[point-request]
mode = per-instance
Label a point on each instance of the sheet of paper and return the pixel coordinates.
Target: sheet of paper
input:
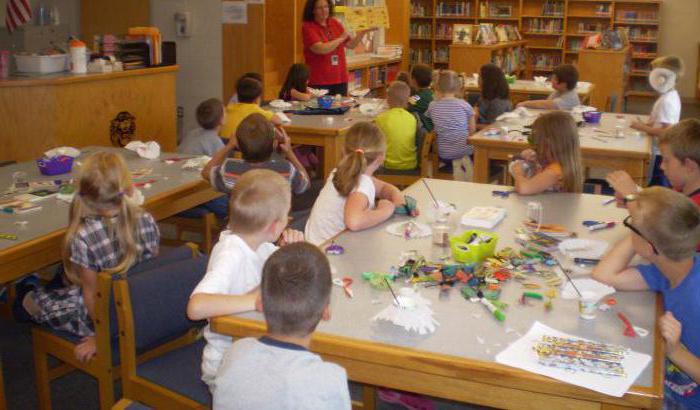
(234, 12)
(521, 355)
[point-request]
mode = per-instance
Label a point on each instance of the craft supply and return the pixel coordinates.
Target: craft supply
(581, 356)
(392, 292)
(409, 230)
(430, 191)
(408, 208)
(441, 233)
(502, 194)
(8, 236)
(602, 225)
(564, 271)
(411, 311)
(535, 214)
(586, 261)
(629, 329)
(497, 313)
(334, 249)
(19, 181)
(609, 201)
(587, 305)
(484, 217)
(344, 283)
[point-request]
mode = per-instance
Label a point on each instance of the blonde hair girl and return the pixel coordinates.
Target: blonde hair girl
(107, 232)
(347, 200)
(555, 160)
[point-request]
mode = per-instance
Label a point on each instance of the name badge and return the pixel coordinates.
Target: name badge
(335, 60)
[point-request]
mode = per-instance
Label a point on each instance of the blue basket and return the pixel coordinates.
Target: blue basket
(592, 117)
(325, 102)
(60, 164)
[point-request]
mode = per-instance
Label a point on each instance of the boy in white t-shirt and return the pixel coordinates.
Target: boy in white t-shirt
(667, 108)
(260, 203)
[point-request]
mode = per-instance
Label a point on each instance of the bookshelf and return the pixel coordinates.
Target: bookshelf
(510, 56)
(607, 69)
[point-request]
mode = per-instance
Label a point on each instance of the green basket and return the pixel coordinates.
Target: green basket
(463, 252)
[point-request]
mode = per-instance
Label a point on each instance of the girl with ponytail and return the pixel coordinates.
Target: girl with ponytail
(107, 232)
(348, 198)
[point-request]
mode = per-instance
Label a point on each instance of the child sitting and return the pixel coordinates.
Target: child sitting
(254, 76)
(278, 370)
(421, 78)
(667, 108)
(205, 140)
(260, 202)
(494, 99)
(555, 163)
(296, 85)
(347, 200)
(665, 230)
(454, 121)
(401, 128)
(256, 139)
(107, 232)
(249, 96)
(564, 97)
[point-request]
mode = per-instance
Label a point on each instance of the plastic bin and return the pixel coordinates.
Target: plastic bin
(41, 64)
(463, 252)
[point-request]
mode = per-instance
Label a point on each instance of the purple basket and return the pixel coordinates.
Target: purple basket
(592, 117)
(60, 164)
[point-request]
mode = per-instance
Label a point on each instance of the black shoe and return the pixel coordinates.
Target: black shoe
(18, 311)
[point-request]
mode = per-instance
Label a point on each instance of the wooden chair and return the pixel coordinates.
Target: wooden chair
(408, 177)
(126, 404)
(173, 380)
(435, 162)
(105, 365)
(208, 226)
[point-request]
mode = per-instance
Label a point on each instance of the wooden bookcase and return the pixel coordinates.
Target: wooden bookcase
(607, 70)
(469, 58)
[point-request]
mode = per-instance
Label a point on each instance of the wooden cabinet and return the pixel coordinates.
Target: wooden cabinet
(510, 56)
(607, 70)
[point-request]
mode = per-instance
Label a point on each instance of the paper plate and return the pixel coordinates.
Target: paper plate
(360, 93)
(583, 248)
(279, 104)
(370, 109)
(317, 92)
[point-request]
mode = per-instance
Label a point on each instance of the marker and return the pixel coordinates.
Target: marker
(586, 261)
(609, 201)
(602, 225)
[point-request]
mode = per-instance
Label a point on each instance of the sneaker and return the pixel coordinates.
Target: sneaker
(409, 401)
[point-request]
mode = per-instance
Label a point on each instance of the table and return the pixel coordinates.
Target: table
(325, 131)
(631, 153)
(451, 363)
(41, 112)
(39, 244)
(522, 90)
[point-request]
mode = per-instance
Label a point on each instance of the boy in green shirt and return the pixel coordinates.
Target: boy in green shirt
(401, 129)
(421, 78)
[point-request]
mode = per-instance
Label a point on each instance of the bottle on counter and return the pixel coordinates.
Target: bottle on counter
(78, 57)
(42, 14)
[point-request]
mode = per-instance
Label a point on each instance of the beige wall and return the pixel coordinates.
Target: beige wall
(679, 34)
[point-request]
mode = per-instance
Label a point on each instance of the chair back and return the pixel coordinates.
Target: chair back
(425, 160)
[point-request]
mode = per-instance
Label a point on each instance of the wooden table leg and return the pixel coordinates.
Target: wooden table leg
(481, 165)
(333, 146)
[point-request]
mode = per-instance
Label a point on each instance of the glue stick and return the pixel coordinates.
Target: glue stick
(497, 313)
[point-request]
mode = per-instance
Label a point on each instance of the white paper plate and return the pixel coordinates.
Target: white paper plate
(279, 104)
(583, 248)
(317, 92)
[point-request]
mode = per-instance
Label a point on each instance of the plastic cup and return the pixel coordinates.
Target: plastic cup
(588, 305)
(20, 181)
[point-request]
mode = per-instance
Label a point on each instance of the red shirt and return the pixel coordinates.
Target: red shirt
(326, 69)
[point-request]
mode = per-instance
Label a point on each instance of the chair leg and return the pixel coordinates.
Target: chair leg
(209, 225)
(368, 397)
(105, 382)
(41, 371)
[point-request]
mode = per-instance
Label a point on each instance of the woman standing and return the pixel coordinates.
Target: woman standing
(325, 40)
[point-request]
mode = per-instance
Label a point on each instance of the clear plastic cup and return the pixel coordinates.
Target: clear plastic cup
(588, 305)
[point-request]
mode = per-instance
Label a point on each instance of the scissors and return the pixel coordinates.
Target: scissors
(344, 283)
(502, 194)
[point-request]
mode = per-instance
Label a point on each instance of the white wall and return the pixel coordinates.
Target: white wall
(199, 56)
(679, 35)
(69, 11)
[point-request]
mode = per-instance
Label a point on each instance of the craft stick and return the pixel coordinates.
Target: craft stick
(567, 276)
(435, 202)
(392, 293)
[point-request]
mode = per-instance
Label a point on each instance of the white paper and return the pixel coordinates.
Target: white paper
(485, 217)
(234, 12)
(583, 248)
(147, 150)
(420, 230)
(596, 289)
(413, 314)
(68, 151)
(196, 163)
(521, 355)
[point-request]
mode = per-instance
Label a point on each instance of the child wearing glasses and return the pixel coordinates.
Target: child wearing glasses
(665, 230)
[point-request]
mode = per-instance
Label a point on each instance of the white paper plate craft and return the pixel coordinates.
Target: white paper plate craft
(317, 92)
(360, 93)
(413, 312)
(280, 104)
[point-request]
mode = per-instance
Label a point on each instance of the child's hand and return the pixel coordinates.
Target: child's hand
(290, 236)
(670, 331)
(86, 349)
(622, 183)
(285, 143)
(386, 205)
(638, 125)
(529, 155)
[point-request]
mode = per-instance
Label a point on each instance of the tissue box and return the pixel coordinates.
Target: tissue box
(40, 64)
(464, 252)
(60, 164)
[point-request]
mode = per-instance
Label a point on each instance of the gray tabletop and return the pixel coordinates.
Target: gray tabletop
(376, 250)
(54, 213)
(328, 123)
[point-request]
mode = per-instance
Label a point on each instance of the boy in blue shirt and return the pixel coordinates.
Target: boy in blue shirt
(665, 229)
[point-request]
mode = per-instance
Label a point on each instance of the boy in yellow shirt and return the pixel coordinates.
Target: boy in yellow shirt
(249, 91)
(402, 129)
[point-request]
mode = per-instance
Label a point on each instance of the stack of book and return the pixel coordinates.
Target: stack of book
(390, 50)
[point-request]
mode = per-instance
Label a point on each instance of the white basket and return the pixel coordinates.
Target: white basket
(41, 64)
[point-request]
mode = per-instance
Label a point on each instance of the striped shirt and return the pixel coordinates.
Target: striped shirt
(224, 177)
(450, 117)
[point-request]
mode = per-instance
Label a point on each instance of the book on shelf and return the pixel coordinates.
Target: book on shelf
(537, 25)
(545, 61)
(421, 55)
(443, 31)
(553, 8)
(485, 34)
(636, 15)
(452, 8)
(591, 27)
(501, 34)
(500, 10)
(462, 34)
(390, 50)
(442, 54)
(418, 9)
(602, 10)
(421, 30)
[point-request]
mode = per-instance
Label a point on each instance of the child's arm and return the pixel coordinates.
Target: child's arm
(614, 269)
(389, 192)
(649, 128)
(299, 96)
(472, 123)
(685, 360)
(539, 104)
(327, 47)
(359, 216)
(286, 146)
(207, 305)
(218, 158)
(537, 183)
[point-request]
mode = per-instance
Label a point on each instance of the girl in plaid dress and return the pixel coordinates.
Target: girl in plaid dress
(107, 232)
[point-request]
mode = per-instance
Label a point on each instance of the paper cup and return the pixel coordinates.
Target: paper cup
(588, 305)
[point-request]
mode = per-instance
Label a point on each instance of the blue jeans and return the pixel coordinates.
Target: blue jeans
(218, 207)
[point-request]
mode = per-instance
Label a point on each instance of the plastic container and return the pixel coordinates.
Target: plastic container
(41, 64)
(465, 252)
(78, 57)
(60, 164)
(592, 117)
(325, 102)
